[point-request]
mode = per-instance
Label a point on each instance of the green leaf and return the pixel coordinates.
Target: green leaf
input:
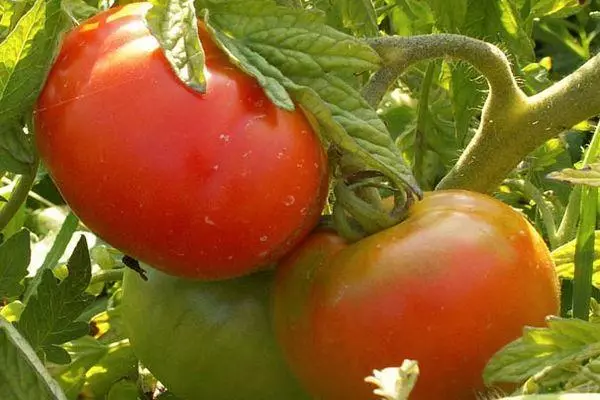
(588, 175)
(560, 350)
(25, 58)
(449, 14)
(290, 50)
(411, 17)
(351, 16)
(564, 258)
(12, 311)
(22, 374)
(119, 362)
(15, 255)
(554, 8)
(50, 316)
(123, 390)
(174, 24)
(59, 245)
(85, 353)
(78, 10)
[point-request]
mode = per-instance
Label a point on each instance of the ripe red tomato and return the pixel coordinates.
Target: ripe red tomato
(447, 287)
(199, 185)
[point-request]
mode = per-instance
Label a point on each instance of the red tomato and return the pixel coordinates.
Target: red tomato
(447, 287)
(198, 185)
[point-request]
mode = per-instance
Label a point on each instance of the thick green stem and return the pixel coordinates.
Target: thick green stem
(421, 129)
(109, 275)
(399, 53)
(568, 102)
(568, 226)
(18, 196)
(512, 124)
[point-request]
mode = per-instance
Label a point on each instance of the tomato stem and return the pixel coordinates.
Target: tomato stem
(109, 275)
(421, 128)
(512, 124)
(584, 246)
(18, 195)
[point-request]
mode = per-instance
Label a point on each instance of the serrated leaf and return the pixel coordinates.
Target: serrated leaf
(22, 374)
(174, 24)
(564, 346)
(292, 50)
(15, 255)
(564, 258)
(25, 57)
(49, 316)
(588, 175)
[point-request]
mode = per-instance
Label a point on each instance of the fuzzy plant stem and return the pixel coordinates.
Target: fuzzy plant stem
(512, 124)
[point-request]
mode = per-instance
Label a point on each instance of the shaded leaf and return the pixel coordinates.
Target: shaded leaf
(25, 58)
(22, 375)
(15, 255)
(50, 315)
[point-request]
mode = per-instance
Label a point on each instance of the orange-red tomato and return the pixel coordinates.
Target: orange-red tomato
(210, 185)
(447, 287)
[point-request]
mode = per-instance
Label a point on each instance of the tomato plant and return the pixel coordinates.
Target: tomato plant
(173, 177)
(449, 286)
(202, 138)
(208, 340)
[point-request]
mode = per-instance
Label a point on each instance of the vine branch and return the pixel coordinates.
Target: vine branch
(512, 124)
(18, 196)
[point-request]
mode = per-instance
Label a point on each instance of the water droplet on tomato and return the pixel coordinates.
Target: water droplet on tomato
(289, 200)
(209, 221)
(264, 238)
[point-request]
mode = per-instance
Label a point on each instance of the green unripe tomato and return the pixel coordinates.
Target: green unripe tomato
(208, 340)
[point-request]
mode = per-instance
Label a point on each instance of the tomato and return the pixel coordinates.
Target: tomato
(448, 287)
(198, 185)
(208, 340)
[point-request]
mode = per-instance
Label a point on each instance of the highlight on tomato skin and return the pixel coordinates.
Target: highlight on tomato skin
(428, 289)
(207, 186)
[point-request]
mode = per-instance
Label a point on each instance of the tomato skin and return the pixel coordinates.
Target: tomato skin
(205, 186)
(208, 340)
(448, 287)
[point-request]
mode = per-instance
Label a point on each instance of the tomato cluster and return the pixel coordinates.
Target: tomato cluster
(216, 186)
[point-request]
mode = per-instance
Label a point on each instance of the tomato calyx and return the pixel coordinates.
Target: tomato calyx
(359, 210)
(363, 197)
